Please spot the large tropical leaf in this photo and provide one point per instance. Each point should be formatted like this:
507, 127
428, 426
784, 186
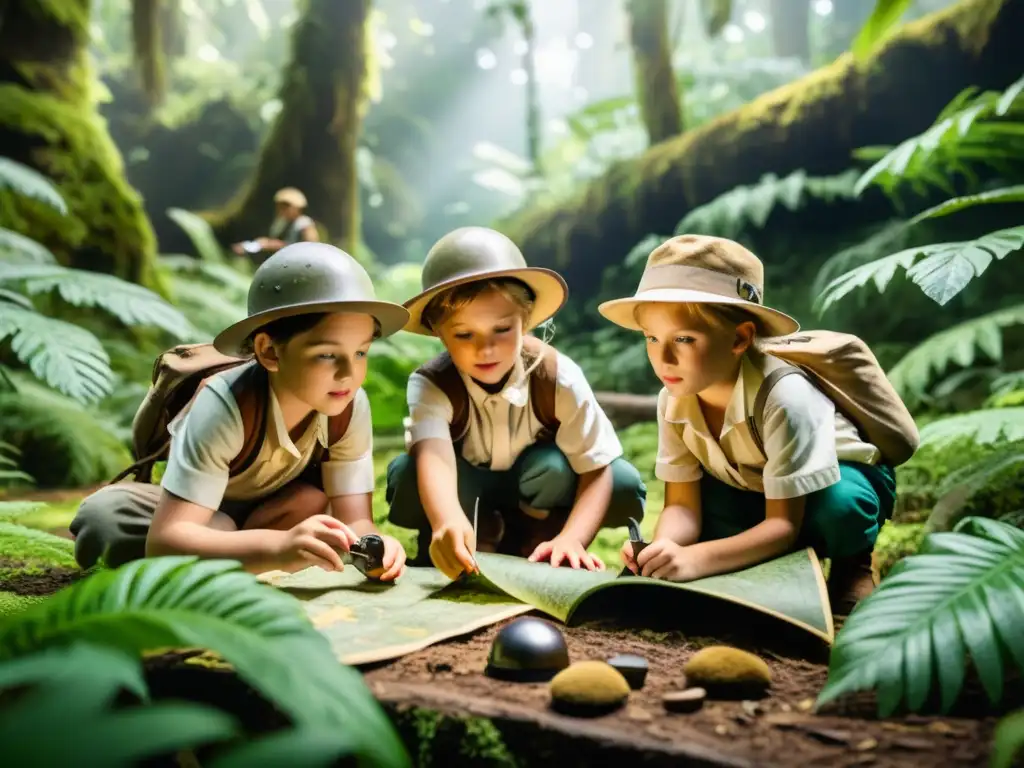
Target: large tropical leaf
130, 303
213, 604
200, 233
1014, 194
28, 182
1008, 740
883, 239
303, 746
986, 426
884, 17
963, 593
941, 270
18, 249
915, 371
64, 356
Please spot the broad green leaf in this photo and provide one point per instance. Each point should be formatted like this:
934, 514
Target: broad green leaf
27, 182
1014, 194
1009, 97
15, 248
306, 747
1008, 740
199, 232
985, 426
929, 613
883, 19
99, 672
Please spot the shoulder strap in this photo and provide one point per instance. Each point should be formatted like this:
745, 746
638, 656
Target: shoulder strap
250, 392
756, 420
544, 382
441, 371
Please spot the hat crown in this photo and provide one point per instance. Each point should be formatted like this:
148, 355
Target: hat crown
467, 251
715, 254
308, 273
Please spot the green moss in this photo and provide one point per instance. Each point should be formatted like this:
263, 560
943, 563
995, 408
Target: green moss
28, 551
11, 603
896, 541
71, 14
434, 738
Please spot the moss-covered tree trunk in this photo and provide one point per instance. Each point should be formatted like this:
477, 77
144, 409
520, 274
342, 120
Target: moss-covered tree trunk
656, 88
312, 144
49, 120
814, 123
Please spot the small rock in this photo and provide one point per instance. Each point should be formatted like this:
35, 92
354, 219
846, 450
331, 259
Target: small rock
865, 745
638, 713
752, 708
689, 700
785, 707
726, 672
721, 730
631, 667
588, 688
805, 705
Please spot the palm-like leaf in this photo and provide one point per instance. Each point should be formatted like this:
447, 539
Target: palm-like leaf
18, 249
944, 269
1014, 194
303, 746
199, 232
884, 17
883, 240
986, 426
27, 182
185, 602
130, 303
1008, 740
744, 206
963, 593
62, 355
959, 344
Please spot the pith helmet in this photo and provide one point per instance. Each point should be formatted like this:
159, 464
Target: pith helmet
309, 277
468, 254
290, 196
695, 269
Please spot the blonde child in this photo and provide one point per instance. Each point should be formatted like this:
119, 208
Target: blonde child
305, 498
502, 426
728, 505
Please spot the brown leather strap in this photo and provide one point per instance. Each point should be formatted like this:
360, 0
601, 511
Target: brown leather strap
756, 420
443, 374
544, 383
337, 426
251, 390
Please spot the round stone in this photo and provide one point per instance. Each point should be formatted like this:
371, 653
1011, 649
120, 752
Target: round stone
588, 688
688, 700
726, 672
527, 650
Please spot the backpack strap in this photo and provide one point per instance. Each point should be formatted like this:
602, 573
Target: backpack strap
443, 374
756, 420
544, 383
250, 391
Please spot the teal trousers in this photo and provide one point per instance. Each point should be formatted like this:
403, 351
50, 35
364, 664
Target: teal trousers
839, 521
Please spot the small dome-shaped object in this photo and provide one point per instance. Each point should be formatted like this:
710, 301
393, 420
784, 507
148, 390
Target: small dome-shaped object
527, 650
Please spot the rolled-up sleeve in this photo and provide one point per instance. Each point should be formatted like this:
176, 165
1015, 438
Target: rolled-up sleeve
675, 462
203, 444
349, 468
430, 410
585, 434
799, 440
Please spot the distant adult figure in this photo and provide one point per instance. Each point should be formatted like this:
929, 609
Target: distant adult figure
291, 225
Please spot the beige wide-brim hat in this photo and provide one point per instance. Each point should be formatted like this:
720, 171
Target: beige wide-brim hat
468, 254
697, 269
303, 278
290, 196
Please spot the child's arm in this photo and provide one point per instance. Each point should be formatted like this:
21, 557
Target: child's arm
679, 523
593, 493
453, 544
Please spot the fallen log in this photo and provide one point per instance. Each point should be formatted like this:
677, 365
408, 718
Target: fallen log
813, 123
627, 409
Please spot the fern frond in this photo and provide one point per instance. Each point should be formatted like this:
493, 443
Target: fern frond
130, 303
10, 455
989, 425
959, 344
1014, 194
18, 249
206, 307
945, 270
28, 182
957, 141
221, 275
730, 213
199, 232
64, 356
1008, 382
12, 297
891, 235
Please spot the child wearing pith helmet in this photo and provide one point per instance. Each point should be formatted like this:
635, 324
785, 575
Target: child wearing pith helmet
502, 427
270, 462
757, 462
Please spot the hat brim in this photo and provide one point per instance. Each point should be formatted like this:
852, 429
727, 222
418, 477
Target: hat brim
622, 311
391, 317
549, 290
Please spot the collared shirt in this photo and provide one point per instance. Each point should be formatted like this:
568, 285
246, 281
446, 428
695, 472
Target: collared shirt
499, 430
207, 436
804, 437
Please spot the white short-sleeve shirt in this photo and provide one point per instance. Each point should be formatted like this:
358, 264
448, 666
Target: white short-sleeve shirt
499, 430
804, 437
207, 436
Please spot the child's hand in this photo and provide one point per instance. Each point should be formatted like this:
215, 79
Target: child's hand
627, 556
664, 559
568, 549
394, 560
452, 546
316, 541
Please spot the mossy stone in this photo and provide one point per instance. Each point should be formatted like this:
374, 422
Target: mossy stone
726, 672
588, 688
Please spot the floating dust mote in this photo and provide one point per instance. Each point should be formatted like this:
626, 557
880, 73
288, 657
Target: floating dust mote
728, 673
588, 689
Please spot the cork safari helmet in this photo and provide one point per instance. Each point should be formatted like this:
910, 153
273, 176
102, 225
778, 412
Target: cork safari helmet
468, 254
303, 278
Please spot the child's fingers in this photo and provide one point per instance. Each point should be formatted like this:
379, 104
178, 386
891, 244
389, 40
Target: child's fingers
542, 552
464, 557
656, 563
597, 562
315, 549
394, 570
333, 538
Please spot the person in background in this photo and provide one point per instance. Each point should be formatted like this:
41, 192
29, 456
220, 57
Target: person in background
291, 225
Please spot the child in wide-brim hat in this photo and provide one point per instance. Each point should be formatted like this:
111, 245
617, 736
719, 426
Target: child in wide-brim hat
305, 498
700, 304
501, 424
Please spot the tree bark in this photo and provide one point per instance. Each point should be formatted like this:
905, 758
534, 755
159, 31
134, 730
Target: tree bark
49, 121
312, 143
814, 123
789, 28
656, 87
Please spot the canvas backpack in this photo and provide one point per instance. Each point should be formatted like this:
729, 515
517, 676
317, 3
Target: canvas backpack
843, 367
178, 376
441, 371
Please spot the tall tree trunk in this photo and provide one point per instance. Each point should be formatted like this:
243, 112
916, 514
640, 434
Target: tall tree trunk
789, 28
656, 87
533, 116
312, 143
49, 121
813, 123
